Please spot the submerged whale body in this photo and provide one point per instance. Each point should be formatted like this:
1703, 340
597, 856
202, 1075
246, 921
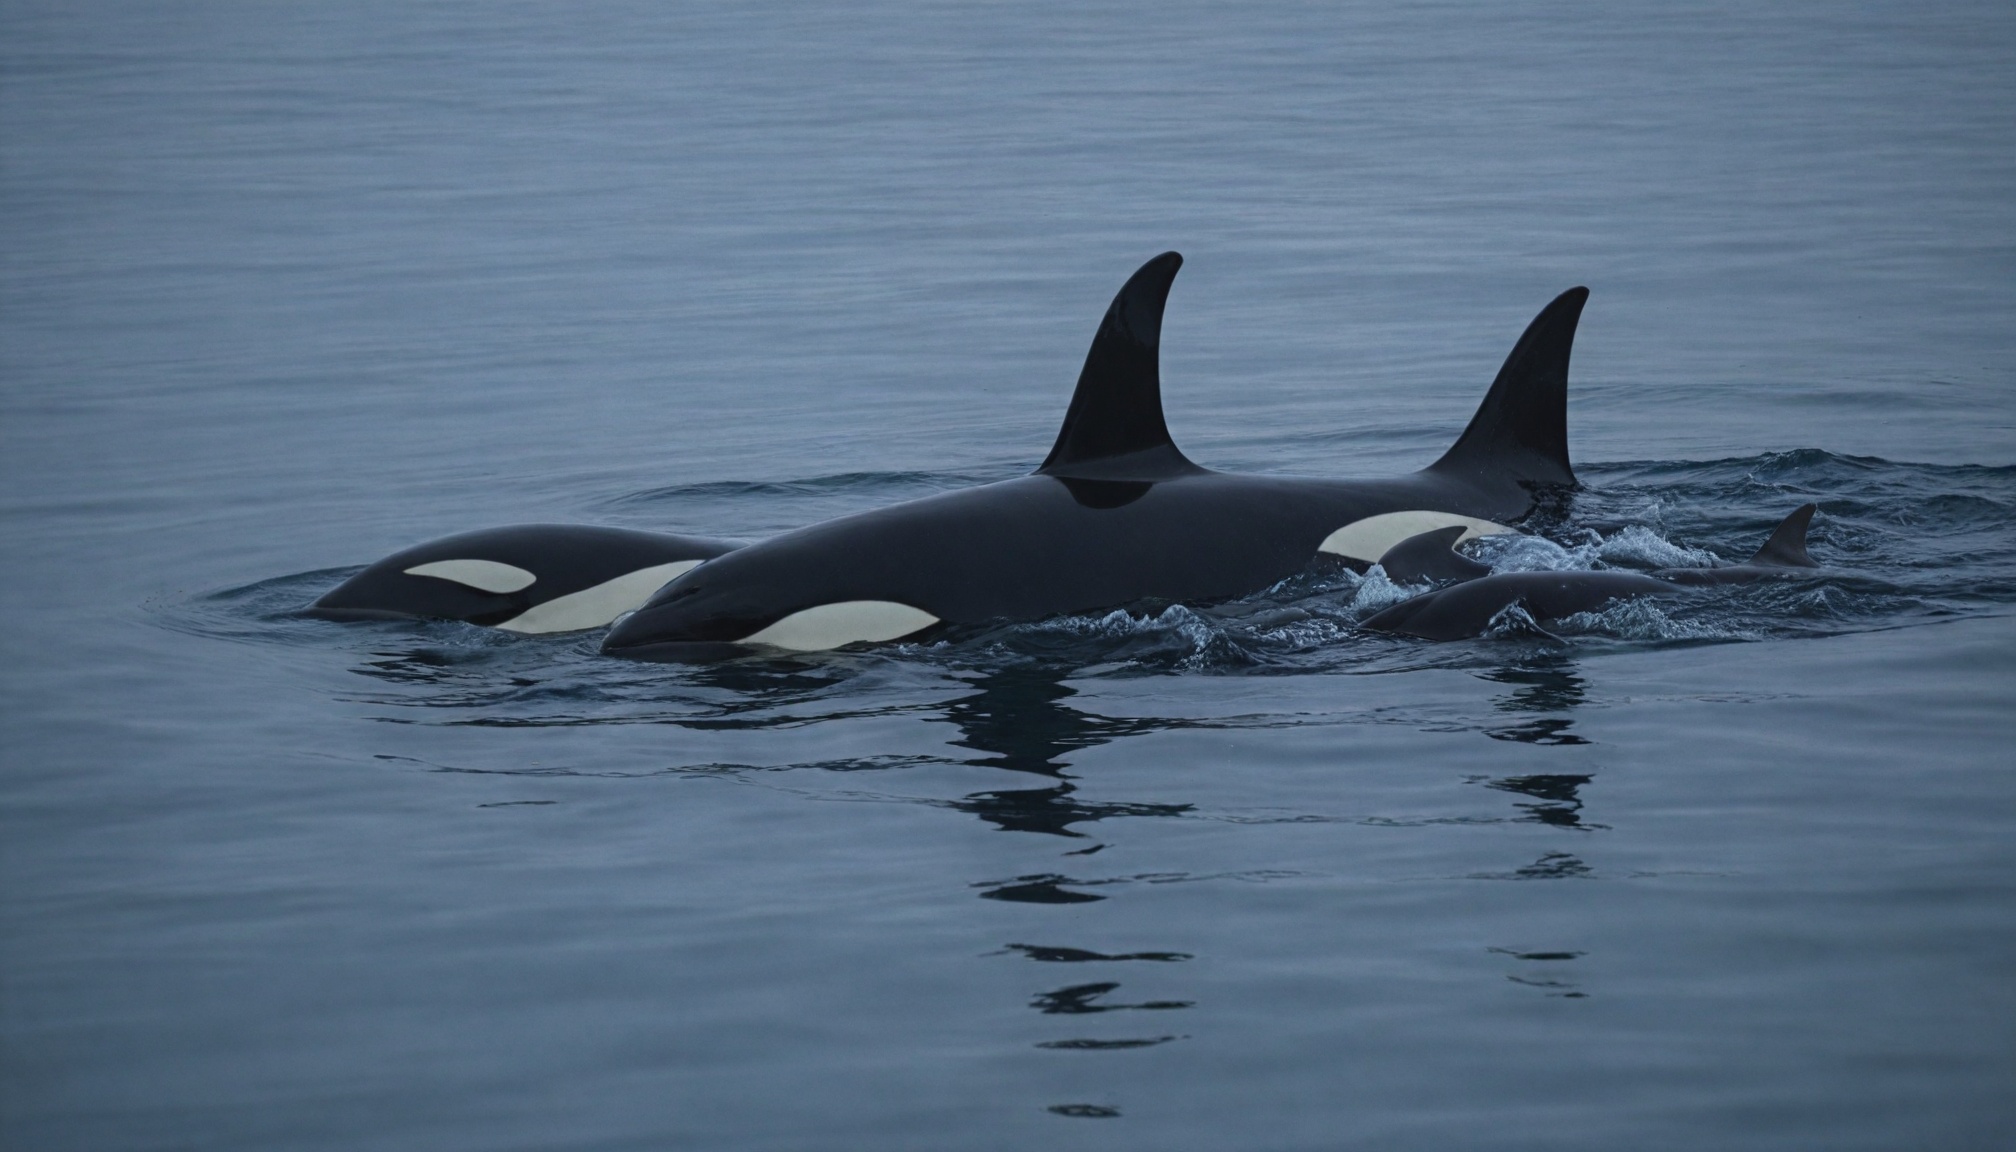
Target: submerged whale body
1475, 603
1116, 514
525, 578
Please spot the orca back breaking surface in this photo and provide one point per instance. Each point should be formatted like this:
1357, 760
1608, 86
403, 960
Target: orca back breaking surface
1783, 554
1470, 608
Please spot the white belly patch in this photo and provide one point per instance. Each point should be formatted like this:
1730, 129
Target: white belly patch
594, 607
1372, 537
483, 575
846, 622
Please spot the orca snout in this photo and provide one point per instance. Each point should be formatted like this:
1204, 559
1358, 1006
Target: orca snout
680, 623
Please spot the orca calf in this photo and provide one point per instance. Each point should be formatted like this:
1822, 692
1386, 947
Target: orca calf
525, 578
1115, 515
1468, 608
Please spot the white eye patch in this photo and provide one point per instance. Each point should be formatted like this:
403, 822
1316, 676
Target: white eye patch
847, 622
1370, 538
594, 607
482, 575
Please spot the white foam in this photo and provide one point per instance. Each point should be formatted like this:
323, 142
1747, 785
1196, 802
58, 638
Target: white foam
1643, 546
1640, 618
1376, 592
1520, 553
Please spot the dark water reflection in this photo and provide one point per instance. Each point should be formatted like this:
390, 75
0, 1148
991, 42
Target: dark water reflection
1558, 801
1548, 688
1050, 955
1087, 999
1019, 721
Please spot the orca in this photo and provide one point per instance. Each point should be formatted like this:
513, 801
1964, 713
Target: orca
1430, 558
524, 578
1471, 606
1115, 515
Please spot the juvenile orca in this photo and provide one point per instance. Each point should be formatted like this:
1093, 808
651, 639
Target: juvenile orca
1115, 515
1469, 608
525, 578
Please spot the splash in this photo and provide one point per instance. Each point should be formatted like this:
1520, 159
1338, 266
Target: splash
1646, 620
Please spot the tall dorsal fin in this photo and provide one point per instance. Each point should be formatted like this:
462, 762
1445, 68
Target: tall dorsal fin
1787, 546
1114, 429
1520, 432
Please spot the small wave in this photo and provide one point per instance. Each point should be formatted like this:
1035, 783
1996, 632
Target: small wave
1633, 546
1521, 553
1176, 637
836, 483
1514, 622
1640, 546
1375, 592
1646, 620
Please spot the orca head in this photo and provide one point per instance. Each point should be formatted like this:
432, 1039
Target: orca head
473, 589
524, 578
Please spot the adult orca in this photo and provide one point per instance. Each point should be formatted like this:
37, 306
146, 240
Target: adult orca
525, 578
1470, 608
1116, 515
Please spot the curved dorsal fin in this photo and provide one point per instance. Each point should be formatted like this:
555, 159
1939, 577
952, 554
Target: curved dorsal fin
1114, 429
1432, 557
1520, 432
1787, 546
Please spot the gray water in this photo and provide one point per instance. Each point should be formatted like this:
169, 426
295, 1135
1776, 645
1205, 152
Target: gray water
284, 288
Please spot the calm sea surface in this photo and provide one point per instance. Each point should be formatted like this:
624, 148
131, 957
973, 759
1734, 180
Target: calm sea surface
284, 288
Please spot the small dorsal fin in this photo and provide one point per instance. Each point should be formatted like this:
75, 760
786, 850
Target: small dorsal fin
1114, 429
1431, 556
1520, 432
1787, 546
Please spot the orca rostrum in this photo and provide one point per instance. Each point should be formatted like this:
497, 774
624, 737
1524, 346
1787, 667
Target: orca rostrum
1475, 603
524, 578
1116, 515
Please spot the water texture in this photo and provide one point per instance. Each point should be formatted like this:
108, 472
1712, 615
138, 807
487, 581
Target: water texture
284, 288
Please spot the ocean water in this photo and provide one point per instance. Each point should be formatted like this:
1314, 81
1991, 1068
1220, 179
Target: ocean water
284, 288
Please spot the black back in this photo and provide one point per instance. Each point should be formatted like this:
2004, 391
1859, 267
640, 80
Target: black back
1784, 551
1467, 609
